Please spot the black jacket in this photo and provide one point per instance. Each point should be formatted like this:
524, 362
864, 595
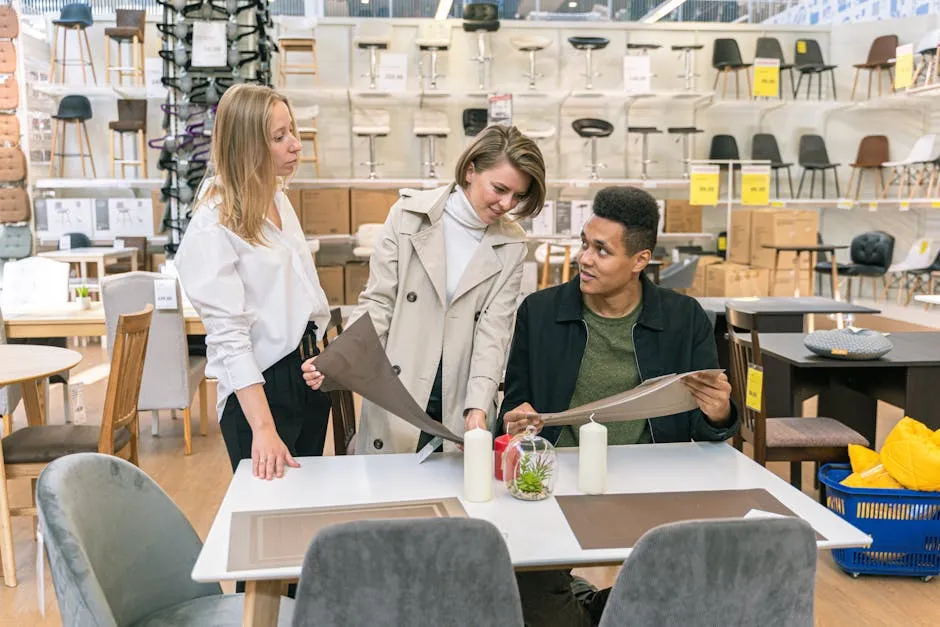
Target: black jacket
672, 335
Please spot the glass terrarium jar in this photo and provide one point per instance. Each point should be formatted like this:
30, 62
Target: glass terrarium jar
530, 465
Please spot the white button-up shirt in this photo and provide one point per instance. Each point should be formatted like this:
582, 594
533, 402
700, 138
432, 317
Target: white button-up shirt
255, 301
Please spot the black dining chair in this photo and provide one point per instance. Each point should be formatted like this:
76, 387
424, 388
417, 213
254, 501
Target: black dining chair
814, 158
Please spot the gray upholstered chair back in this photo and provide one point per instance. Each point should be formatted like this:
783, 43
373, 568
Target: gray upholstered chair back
118, 547
164, 384
9, 394
429, 572
704, 573
679, 276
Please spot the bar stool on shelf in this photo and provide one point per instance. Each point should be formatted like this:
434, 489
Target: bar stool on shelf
644, 132
643, 50
531, 45
372, 36
429, 126
73, 17
589, 45
75, 110
688, 63
309, 134
481, 18
296, 44
132, 118
130, 28
371, 123
687, 137
592, 129
433, 38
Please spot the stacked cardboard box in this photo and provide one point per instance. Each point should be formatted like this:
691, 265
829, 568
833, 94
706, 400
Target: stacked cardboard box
700, 282
332, 281
681, 217
735, 280
324, 211
370, 206
357, 275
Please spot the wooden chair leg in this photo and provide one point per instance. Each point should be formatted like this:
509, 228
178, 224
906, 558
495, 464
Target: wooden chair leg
54, 61
55, 147
91, 60
7, 424
187, 432
851, 180
81, 148
204, 408
107, 64
747, 78
855, 84
796, 475
91, 156
7, 556
111, 151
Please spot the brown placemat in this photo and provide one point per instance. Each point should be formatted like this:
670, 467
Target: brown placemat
616, 521
273, 539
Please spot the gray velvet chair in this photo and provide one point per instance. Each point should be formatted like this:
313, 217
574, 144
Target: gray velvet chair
679, 276
171, 376
121, 552
420, 573
703, 573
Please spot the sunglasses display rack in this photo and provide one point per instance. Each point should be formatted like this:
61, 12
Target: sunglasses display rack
207, 46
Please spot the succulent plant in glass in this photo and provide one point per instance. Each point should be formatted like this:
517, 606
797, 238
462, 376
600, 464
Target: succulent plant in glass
530, 465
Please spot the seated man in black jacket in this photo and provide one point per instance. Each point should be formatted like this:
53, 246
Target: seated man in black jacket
598, 335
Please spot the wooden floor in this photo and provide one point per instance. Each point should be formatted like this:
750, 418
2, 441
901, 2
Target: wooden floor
198, 483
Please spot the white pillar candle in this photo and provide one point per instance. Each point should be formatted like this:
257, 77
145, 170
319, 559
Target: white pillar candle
592, 458
478, 465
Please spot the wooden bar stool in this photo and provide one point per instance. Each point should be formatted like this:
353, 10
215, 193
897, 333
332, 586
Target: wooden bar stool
296, 44
132, 118
309, 134
547, 259
75, 110
129, 30
74, 17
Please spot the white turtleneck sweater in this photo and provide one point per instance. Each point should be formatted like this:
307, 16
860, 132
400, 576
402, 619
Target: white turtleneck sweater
463, 231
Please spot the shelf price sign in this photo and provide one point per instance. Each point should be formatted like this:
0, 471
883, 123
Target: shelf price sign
703, 185
767, 77
904, 66
755, 185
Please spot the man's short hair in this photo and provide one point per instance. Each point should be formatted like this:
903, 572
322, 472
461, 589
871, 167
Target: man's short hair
633, 208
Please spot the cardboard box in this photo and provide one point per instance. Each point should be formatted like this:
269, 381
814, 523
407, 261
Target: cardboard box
370, 206
681, 217
735, 280
782, 227
699, 284
296, 201
57, 216
325, 211
357, 275
784, 285
332, 280
739, 250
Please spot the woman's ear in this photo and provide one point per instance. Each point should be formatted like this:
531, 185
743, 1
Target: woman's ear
471, 171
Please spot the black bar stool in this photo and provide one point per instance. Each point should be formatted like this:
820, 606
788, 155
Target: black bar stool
75, 110
481, 18
687, 137
592, 129
644, 132
589, 45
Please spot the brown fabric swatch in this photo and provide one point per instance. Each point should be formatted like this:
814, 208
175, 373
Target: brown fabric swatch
356, 361
616, 521
280, 538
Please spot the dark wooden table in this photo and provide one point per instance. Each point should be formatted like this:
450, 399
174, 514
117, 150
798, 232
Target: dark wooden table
778, 314
797, 253
907, 377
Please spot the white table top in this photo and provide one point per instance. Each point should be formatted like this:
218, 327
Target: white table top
933, 299
537, 533
68, 311
88, 254
24, 362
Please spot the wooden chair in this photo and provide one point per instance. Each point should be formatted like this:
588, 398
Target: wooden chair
880, 59
793, 440
26, 452
871, 157
343, 409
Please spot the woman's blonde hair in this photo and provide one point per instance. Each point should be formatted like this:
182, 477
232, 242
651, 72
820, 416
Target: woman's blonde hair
246, 177
497, 143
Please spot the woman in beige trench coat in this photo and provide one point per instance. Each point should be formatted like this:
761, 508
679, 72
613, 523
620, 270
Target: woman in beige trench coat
443, 285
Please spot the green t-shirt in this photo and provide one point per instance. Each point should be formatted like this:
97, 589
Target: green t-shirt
609, 367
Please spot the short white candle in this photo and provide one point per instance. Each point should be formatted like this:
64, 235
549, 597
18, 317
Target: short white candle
592, 458
478, 465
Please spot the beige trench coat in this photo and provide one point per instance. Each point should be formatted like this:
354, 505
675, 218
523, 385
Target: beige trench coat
405, 297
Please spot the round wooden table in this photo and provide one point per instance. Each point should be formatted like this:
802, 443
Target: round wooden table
28, 364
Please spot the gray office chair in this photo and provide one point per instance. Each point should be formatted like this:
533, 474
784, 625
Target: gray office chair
703, 573
171, 376
10, 395
421, 573
121, 552
679, 276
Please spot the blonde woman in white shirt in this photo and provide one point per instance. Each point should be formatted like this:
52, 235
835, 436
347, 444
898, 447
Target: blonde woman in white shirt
246, 267
444, 281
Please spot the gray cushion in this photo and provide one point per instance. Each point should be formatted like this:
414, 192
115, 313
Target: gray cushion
809, 432
848, 344
48, 442
222, 610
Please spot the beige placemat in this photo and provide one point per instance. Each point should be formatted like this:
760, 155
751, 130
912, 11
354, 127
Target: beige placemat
616, 521
273, 539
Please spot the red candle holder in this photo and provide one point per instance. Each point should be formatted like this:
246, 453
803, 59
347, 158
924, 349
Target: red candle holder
499, 446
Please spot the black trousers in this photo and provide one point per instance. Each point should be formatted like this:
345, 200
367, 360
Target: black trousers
435, 408
300, 414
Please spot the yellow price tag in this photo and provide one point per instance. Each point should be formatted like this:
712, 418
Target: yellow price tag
755, 185
755, 387
904, 66
767, 77
800, 46
703, 185
777, 203
904, 206
873, 206
935, 204
923, 247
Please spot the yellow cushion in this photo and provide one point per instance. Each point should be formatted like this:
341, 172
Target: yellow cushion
867, 470
911, 454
